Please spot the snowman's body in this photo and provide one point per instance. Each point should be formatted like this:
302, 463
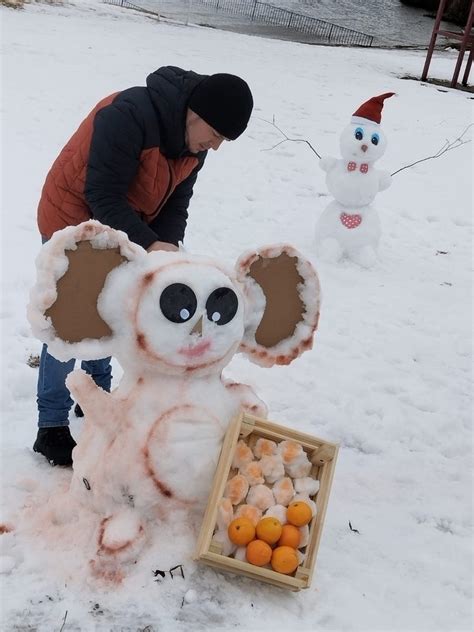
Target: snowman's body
349, 226
354, 183
342, 232
170, 448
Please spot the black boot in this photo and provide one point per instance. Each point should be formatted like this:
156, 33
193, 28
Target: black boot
78, 411
56, 444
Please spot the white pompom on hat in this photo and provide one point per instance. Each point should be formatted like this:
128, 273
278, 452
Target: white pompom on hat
371, 109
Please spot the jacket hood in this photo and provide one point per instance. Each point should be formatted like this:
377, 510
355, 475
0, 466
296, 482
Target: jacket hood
170, 88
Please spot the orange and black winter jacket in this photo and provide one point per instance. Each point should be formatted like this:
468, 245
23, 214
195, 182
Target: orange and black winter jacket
127, 164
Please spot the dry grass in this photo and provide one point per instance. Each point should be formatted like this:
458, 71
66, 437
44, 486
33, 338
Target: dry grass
12, 4
19, 4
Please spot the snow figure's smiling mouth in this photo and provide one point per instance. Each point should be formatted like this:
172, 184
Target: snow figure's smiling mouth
194, 351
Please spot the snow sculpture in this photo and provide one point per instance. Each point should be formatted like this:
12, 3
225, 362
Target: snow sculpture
174, 321
350, 226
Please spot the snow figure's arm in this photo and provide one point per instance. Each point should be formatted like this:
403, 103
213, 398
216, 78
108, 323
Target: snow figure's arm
93, 400
385, 180
327, 163
246, 398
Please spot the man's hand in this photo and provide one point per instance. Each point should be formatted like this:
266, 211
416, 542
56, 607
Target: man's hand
162, 245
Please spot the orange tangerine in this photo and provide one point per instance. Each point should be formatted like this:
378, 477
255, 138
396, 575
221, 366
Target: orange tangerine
284, 560
241, 531
299, 513
269, 530
290, 536
258, 553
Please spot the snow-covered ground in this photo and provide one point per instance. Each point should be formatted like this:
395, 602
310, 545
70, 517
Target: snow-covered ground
389, 376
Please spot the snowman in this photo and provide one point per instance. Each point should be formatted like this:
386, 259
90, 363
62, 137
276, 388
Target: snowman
350, 226
174, 321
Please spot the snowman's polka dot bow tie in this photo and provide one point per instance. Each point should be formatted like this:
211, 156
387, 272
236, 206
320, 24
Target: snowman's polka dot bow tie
352, 166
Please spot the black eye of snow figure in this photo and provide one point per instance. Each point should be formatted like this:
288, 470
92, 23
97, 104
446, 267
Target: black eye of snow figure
375, 139
359, 133
178, 303
221, 306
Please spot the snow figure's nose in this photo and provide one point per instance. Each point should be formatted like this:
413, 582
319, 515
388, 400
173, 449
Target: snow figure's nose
197, 329
364, 148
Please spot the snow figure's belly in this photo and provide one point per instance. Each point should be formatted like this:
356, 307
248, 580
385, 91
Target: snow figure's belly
353, 189
181, 452
357, 227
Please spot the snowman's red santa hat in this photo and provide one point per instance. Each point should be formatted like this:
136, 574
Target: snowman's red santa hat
371, 110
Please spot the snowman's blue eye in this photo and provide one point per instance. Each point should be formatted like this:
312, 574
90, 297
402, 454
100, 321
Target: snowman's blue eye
375, 139
359, 133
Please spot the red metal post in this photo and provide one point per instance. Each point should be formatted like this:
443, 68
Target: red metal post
434, 35
466, 38
468, 67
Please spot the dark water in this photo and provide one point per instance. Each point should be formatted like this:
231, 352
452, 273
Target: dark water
390, 22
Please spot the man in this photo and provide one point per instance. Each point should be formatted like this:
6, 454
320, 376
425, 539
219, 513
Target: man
132, 164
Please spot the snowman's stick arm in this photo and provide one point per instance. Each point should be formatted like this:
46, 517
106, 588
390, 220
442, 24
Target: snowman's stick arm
293, 140
448, 146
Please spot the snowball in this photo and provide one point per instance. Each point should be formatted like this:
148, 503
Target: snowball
306, 485
190, 596
283, 491
241, 553
225, 513
264, 447
253, 473
304, 536
236, 489
221, 536
243, 454
294, 458
278, 512
300, 467
249, 511
261, 496
290, 451
272, 468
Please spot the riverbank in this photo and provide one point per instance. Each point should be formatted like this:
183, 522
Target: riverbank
391, 24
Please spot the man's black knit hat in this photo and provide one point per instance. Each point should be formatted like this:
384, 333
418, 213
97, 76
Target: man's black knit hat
224, 102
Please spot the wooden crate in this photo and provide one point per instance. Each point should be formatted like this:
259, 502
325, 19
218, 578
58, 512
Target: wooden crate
323, 456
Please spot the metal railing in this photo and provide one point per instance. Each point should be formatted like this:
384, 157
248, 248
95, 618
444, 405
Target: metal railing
130, 5
264, 13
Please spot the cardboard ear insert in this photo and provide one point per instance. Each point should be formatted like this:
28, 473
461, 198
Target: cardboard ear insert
74, 314
279, 280
282, 289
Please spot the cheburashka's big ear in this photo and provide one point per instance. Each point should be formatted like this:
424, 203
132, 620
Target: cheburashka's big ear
283, 298
72, 270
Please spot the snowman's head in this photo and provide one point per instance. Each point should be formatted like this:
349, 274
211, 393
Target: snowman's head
98, 294
362, 141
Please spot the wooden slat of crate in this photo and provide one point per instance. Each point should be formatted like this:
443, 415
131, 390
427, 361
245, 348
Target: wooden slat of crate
224, 563
323, 455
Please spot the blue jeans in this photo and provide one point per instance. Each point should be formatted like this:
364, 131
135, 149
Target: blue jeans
54, 399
